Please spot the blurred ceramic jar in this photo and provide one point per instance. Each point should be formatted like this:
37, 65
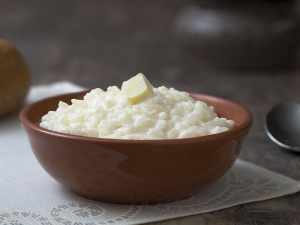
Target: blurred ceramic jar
239, 34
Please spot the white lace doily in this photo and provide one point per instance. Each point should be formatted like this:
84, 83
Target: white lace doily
28, 195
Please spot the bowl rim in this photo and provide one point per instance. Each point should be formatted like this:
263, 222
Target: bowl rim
235, 132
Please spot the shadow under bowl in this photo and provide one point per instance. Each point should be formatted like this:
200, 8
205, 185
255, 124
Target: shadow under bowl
135, 171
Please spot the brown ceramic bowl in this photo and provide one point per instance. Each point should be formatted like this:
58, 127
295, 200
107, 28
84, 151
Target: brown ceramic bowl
135, 171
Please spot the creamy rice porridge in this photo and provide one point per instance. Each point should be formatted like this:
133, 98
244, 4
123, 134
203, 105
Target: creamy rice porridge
157, 113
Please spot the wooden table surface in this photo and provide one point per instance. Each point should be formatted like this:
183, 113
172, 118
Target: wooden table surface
102, 43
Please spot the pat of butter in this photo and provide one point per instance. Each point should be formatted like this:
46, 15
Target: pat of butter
137, 88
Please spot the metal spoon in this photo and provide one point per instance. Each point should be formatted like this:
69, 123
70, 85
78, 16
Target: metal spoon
282, 125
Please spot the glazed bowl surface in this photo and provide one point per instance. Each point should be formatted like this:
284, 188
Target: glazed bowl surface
135, 171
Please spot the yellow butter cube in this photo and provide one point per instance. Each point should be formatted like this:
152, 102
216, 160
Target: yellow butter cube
137, 88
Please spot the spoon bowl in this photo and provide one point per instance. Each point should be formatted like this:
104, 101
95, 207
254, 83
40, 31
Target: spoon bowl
282, 125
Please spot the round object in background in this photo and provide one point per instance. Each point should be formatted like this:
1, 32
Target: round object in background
14, 78
241, 35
